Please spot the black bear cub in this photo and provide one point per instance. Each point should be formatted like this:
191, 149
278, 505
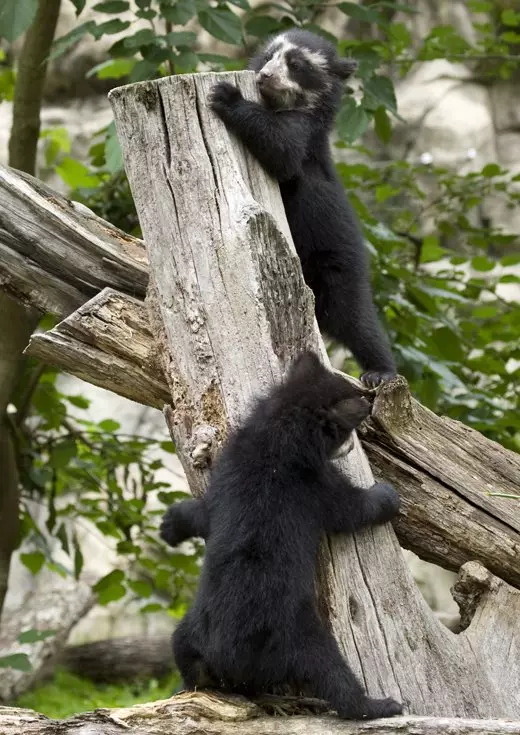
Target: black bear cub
274, 492
300, 79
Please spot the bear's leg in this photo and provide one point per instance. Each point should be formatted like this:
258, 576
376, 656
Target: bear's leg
190, 662
320, 670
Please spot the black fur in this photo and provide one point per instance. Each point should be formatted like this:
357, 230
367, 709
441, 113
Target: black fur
289, 136
254, 625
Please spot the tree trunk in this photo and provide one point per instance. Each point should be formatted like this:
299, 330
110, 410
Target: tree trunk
19, 322
229, 310
30, 80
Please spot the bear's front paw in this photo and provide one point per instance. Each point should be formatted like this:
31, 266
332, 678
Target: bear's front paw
373, 378
388, 501
223, 96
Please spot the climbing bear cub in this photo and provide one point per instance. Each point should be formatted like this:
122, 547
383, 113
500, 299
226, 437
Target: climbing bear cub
300, 79
274, 492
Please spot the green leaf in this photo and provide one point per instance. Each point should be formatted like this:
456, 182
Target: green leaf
34, 636
152, 607
510, 18
65, 42
492, 169
116, 25
352, 121
109, 425
262, 26
181, 38
168, 446
112, 6
383, 126
17, 661
244, 4
15, 17
34, 562
76, 175
481, 263
112, 69
62, 452
221, 23
78, 401
79, 5
360, 12
448, 344
113, 155
431, 251
78, 557
143, 37
180, 13
61, 535
141, 589
380, 91
110, 587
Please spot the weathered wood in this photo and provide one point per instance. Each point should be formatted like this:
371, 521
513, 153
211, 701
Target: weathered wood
55, 254
444, 470
108, 343
203, 712
128, 658
229, 309
447, 518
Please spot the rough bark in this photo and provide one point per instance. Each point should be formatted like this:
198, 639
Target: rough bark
107, 342
17, 325
202, 712
447, 517
120, 659
229, 309
28, 93
56, 254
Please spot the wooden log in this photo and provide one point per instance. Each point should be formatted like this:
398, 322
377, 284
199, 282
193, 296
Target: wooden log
55, 254
107, 342
203, 712
229, 309
447, 518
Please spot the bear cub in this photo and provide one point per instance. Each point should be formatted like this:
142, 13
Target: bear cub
300, 79
274, 492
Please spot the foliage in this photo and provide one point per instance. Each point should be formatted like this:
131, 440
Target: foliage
67, 695
90, 473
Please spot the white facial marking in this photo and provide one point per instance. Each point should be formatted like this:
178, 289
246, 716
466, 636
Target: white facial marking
277, 68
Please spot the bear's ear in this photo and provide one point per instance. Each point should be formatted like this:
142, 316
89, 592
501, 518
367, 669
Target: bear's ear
306, 367
344, 68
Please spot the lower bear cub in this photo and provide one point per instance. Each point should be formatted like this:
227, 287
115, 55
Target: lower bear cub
273, 494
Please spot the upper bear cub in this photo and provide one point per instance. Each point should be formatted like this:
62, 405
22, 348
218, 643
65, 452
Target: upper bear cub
300, 79
273, 494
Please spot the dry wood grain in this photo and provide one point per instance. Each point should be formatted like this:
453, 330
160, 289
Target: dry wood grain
229, 309
55, 254
204, 713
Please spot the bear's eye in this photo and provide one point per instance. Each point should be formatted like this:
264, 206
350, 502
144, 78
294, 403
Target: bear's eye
295, 64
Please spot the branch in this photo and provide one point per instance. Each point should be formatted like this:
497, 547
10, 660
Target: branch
56, 254
441, 468
203, 712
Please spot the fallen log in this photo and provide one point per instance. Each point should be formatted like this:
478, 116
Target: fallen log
203, 712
